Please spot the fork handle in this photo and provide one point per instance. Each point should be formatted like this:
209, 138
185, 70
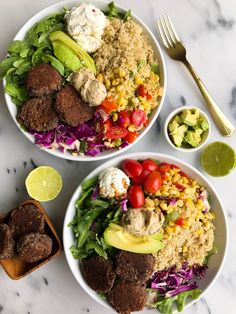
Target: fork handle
224, 125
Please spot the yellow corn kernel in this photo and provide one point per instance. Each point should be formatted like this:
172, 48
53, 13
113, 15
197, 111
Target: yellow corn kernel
171, 224
119, 88
114, 82
138, 80
176, 178
149, 203
198, 232
120, 101
163, 205
100, 77
165, 188
114, 116
172, 172
184, 249
169, 230
156, 201
180, 203
121, 72
185, 180
132, 128
207, 224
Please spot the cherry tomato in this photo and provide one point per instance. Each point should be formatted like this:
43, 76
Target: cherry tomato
124, 118
179, 222
174, 167
141, 177
131, 137
164, 167
109, 104
136, 196
150, 165
164, 176
179, 186
153, 182
138, 117
116, 132
132, 167
183, 174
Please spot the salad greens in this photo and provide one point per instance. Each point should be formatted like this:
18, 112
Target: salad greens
23, 54
165, 305
113, 12
93, 215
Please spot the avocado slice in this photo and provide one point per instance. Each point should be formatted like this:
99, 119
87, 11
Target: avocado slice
190, 117
178, 134
80, 52
193, 138
203, 124
116, 236
173, 125
67, 57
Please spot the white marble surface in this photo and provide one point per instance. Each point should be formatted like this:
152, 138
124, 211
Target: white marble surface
209, 31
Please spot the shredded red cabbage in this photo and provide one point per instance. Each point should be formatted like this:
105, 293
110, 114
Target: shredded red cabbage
171, 282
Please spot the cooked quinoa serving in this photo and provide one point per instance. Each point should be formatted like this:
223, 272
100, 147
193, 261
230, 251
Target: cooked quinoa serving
149, 226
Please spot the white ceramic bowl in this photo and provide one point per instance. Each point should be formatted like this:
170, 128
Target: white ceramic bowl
206, 134
221, 232
157, 52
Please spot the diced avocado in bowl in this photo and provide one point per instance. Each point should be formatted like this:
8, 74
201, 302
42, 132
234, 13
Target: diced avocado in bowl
187, 129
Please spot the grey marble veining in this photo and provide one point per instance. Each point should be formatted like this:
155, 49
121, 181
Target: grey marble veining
208, 28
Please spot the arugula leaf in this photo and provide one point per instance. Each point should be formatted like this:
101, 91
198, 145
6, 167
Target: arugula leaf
93, 204
6, 65
127, 15
213, 251
165, 305
112, 10
83, 198
89, 183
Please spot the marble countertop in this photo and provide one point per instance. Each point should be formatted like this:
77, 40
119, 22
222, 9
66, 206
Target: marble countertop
208, 28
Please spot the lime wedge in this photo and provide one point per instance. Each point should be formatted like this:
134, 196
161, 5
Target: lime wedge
218, 159
43, 183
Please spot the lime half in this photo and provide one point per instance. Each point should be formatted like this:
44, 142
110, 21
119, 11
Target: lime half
218, 159
43, 183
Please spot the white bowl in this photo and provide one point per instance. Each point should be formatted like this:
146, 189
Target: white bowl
221, 232
157, 52
206, 134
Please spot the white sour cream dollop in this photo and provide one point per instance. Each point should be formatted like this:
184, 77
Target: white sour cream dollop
113, 182
85, 23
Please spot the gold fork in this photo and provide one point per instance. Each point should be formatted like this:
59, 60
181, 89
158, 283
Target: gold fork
177, 51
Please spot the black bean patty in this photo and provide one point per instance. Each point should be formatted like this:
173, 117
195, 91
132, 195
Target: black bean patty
25, 219
127, 297
71, 108
43, 80
38, 114
133, 267
33, 247
6, 242
99, 273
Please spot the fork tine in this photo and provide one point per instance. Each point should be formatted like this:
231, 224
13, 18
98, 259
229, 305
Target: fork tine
165, 32
176, 37
161, 33
168, 32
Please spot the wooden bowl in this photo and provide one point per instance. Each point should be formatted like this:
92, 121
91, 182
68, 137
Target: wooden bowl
16, 268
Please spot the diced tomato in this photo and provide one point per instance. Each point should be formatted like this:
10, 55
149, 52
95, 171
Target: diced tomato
174, 167
136, 196
132, 167
141, 177
183, 174
138, 117
124, 118
153, 182
116, 132
179, 222
148, 96
103, 127
109, 104
164, 167
131, 137
179, 186
141, 90
150, 165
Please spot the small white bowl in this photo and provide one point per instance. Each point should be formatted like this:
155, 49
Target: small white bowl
206, 134
221, 231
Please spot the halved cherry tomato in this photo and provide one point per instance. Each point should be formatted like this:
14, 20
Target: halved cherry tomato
103, 127
138, 117
116, 132
150, 165
179, 222
136, 196
141, 177
153, 182
164, 167
132, 167
131, 137
124, 118
109, 104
